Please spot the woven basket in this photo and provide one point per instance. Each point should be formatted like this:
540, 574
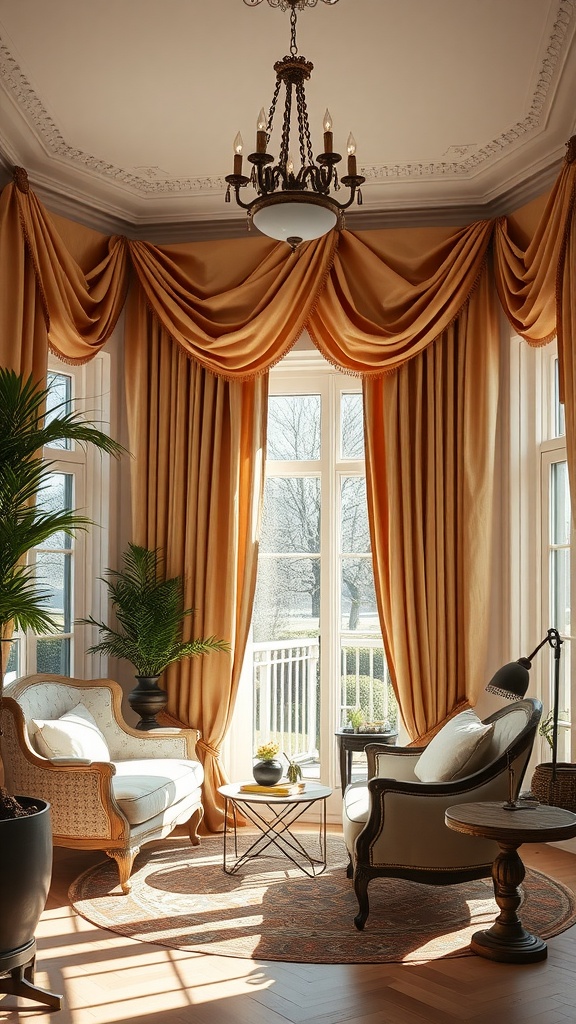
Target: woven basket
560, 792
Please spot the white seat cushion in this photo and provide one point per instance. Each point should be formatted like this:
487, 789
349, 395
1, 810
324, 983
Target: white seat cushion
146, 788
74, 734
457, 750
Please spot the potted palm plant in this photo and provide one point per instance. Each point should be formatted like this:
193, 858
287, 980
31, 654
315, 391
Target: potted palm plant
150, 613
25, 522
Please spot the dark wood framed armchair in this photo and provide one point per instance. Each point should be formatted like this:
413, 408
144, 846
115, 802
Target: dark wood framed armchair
394, 823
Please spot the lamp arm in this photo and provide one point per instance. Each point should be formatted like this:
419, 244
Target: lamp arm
552, 637
555, 640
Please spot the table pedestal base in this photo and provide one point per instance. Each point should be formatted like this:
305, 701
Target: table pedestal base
523, 949
507, 940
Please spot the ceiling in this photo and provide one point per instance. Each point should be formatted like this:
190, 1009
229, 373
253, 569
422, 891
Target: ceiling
124, 112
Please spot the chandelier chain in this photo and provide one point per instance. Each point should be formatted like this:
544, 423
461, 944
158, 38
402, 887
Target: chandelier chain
285, 140
304, 127
293, 43
272, 110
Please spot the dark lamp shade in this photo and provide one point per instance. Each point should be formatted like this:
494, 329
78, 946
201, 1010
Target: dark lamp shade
511, 681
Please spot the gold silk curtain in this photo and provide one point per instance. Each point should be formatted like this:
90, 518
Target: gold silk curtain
391, 293
430, 452
411, 311
236, 307
199, 440
80, 309
566, 315
414, 313
198, 445
537, 287
23, 318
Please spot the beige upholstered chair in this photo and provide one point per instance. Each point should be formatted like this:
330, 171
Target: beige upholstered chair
394, 824
110, 787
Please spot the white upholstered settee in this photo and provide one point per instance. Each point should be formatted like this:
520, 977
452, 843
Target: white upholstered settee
110, 787
394, 824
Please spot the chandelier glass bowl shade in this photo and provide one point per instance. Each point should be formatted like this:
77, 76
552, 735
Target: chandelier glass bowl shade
293, 205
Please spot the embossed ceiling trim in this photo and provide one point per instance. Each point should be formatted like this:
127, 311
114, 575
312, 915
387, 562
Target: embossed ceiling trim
30, 103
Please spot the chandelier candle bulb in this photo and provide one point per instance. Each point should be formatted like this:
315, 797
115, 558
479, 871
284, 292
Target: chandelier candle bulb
261, 132
238, 146
351, 148
328, 134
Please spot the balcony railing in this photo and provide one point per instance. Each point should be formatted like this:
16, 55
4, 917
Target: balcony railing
286, 695
365, 680
286, 690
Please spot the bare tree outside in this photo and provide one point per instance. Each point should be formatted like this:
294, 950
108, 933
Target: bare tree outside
289, 572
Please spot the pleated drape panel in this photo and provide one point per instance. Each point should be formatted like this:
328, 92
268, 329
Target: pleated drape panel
197, 479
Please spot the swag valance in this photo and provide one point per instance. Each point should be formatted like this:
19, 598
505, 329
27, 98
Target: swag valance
371, 300
412, 312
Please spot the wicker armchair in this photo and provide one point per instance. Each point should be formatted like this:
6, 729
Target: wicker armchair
394, 824
150, 783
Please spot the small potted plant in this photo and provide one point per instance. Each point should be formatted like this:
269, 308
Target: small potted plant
293, 771
150, 612
267, 770
355, 717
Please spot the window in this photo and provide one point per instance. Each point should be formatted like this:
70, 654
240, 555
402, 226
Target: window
316, 642
77, 481
558, 565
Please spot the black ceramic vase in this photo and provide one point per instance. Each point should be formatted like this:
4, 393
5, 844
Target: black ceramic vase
267, 773
148, 700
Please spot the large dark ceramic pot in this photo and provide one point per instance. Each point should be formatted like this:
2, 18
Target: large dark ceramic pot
267, 773
25, 874
148, 699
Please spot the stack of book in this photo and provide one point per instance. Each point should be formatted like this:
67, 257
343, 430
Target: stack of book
280, 789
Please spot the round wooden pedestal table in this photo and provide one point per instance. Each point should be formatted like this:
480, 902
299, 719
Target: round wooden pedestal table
507, 940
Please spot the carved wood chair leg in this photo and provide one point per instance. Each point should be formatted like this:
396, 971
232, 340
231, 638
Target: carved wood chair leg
361, 889
124, 859
194, 825
349, 868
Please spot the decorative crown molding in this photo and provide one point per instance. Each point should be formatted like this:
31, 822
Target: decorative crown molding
153, 182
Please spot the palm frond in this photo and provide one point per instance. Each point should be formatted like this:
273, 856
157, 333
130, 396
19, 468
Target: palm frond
150, 612
26, 518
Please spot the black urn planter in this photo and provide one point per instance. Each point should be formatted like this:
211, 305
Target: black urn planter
267, 773
148, 699
25, 874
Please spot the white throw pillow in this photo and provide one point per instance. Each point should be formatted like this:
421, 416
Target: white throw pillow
74, 734
456, 750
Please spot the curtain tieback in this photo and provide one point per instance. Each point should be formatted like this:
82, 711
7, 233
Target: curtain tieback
208, 749
20, 177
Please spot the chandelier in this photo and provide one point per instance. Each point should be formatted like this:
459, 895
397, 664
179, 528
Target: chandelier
294, 205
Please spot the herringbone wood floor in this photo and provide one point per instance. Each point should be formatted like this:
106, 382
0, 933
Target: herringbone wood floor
106, 978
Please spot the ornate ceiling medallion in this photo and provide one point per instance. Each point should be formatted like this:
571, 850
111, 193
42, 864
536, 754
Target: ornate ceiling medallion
285, 4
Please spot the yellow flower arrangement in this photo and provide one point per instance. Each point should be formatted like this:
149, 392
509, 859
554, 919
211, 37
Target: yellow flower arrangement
267, 751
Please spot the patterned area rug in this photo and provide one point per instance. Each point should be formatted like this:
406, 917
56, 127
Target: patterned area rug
272, 911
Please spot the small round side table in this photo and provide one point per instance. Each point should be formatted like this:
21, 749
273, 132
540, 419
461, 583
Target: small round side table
507, 940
